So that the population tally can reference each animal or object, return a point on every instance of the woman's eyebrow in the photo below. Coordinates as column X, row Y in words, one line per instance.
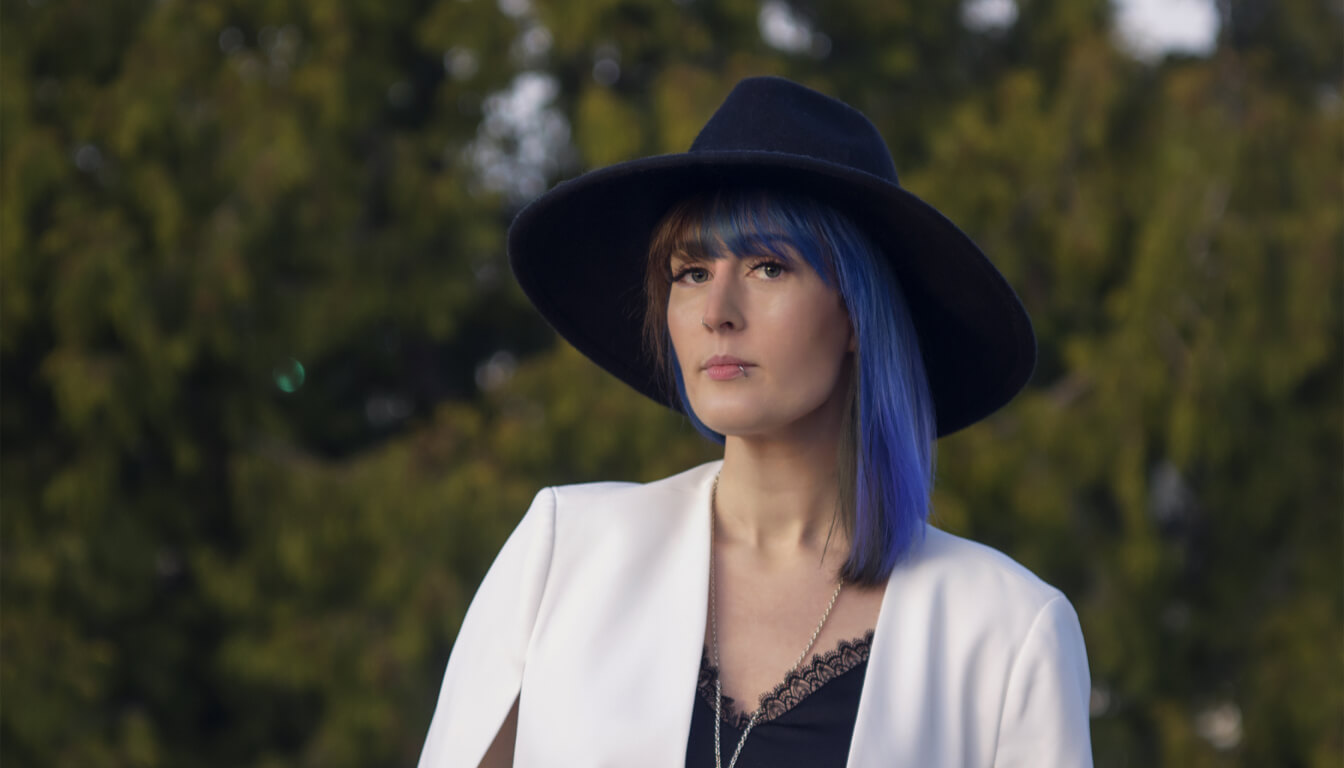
column 683, row 257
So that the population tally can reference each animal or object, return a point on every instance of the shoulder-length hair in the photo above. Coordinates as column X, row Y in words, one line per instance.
column 885, row 464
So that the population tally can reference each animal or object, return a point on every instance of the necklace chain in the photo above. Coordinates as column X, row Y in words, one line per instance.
column 714, row 633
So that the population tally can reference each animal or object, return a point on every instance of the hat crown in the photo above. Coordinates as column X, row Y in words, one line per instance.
column 771, row 114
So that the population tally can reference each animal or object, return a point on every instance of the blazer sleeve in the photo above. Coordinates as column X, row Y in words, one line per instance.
column 1045, row 709
column 485, row 668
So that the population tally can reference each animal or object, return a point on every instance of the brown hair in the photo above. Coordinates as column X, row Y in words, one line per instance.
column 677, row 232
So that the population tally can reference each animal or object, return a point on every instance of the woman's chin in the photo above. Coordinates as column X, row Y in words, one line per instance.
column 756, row 416
column 740, row 422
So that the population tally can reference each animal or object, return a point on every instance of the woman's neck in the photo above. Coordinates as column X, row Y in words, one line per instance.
column 779, row 498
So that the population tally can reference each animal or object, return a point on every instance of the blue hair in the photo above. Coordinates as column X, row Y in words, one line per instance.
column 887, row 458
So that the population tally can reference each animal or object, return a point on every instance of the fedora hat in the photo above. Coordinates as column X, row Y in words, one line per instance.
column 580, row 250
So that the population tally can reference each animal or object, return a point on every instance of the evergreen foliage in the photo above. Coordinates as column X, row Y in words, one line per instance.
column 272, row 403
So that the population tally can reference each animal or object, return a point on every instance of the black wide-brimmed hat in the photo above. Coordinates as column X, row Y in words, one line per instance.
column 579, row 251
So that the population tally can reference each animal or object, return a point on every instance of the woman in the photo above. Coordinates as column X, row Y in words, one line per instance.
column 788, row 605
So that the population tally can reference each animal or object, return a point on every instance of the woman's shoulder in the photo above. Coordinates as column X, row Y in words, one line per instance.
column 617, row 494
column 976, row 576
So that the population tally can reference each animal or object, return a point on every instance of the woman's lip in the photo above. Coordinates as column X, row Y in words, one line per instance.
column 725, row 372
column 725, row 360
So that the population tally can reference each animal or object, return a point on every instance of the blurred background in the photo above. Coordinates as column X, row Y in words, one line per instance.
column 271, row 401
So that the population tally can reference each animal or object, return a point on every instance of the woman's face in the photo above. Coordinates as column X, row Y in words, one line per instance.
column 789, row 330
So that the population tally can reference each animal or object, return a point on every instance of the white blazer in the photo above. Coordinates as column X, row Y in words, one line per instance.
column 593, row 615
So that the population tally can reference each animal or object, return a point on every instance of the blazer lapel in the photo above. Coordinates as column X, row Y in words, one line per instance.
column 611, row 673
column 874, row 732
column 676, row 617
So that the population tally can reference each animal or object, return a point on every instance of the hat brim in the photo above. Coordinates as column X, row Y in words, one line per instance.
column 580, row 250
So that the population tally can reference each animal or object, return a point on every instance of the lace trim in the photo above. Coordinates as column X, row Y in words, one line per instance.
column 797, row 685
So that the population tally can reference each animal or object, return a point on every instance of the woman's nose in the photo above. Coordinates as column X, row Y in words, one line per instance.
column 723, row 310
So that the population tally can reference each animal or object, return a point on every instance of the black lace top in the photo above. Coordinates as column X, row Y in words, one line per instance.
column 808, row 719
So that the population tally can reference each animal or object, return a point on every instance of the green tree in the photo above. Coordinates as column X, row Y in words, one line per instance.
column 271, row 402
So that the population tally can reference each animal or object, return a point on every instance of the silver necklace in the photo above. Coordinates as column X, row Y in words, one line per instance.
column 714, row 633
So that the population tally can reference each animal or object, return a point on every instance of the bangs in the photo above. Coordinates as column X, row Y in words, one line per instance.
column 742, row 224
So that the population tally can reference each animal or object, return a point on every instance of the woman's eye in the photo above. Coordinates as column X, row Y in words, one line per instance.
column 771, row 269
column 697, row 275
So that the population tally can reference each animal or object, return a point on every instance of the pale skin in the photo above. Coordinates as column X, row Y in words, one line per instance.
column 774, row 569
